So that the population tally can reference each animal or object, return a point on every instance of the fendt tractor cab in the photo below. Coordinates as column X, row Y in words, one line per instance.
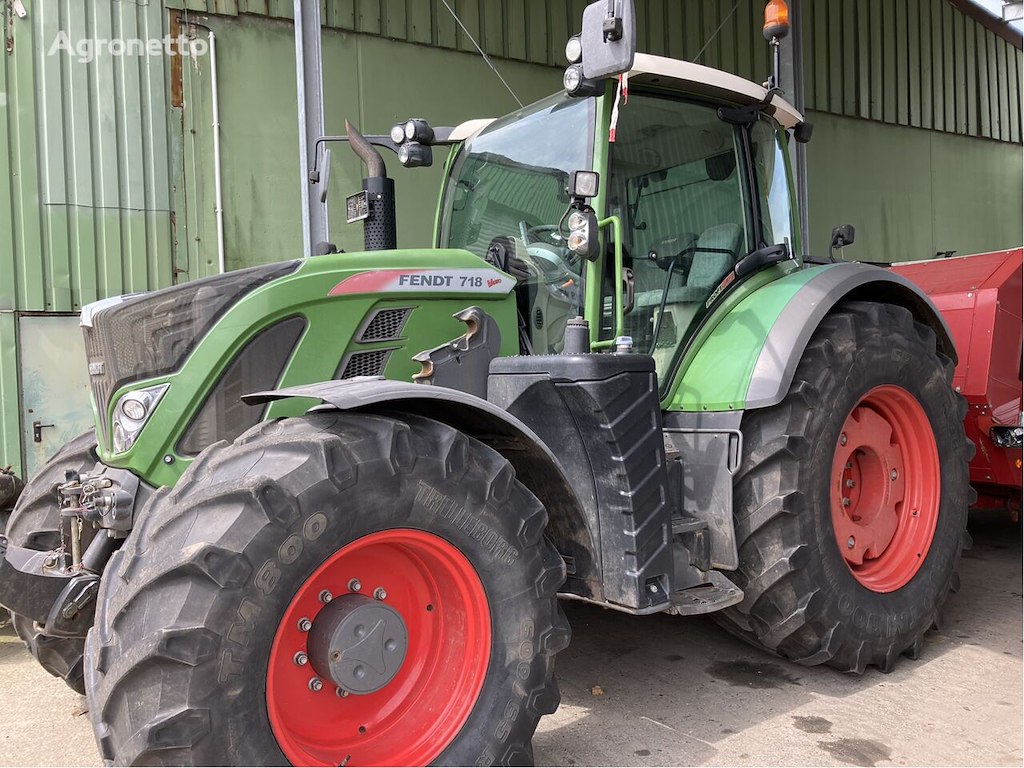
column 329, row 504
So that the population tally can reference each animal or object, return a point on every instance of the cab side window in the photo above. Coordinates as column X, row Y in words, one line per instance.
column 771, row 163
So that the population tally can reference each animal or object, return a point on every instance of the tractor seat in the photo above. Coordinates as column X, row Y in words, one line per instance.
column 707, row 269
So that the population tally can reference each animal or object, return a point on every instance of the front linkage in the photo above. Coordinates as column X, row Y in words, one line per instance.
column 57, row 588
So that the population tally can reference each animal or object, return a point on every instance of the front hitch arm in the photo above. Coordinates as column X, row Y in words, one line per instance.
column 37, row 585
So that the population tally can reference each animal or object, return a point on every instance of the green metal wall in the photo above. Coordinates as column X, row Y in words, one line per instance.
column 920, row 63
column 111, row 185
column 911, row 192
column 84, row 146
column 373, row 82
column 903, row 187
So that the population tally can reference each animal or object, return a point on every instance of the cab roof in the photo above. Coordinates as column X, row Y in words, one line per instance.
column 687, row 77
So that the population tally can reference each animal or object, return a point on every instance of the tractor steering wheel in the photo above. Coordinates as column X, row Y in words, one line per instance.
column 549, row 234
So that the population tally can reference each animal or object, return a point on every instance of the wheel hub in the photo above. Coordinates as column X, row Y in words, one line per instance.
column 388, row 672
column 885, row 488
column 359, row 643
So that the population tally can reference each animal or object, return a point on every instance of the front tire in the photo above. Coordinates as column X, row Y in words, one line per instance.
column 215, row 622
column 851, row 500
column 35, row 523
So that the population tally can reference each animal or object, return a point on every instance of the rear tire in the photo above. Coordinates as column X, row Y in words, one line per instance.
column 35, row 524
column 192, row 657
column 874, row 372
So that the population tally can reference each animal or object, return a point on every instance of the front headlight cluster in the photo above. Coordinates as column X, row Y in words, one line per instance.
column 583, row 238
column 131, row 414
column 413, row 138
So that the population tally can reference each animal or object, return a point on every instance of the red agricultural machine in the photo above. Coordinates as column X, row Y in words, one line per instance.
column 980, row 297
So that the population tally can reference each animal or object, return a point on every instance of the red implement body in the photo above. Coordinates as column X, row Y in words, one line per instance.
column 981, row 298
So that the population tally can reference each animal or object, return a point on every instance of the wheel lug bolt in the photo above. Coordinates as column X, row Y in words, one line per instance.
column 842, row 439
column 315, row 684
column 305, row 624
column 846, row 502
column 354, row 585
column 380, row 594
column 342, row 693
column 850, row 542
column 851, row 484
column 301, row 659
column 894, row 474
column 326, row 596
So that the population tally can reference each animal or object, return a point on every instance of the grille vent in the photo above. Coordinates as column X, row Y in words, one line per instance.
column 384, row 325
column 538, row 318
column 363, row 364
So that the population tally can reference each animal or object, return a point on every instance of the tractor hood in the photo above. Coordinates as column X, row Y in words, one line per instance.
column 168, row 368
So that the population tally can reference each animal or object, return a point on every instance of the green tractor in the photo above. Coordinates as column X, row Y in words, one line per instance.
column 330, row 505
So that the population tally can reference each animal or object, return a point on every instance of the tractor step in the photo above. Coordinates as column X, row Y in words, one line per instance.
column 683, row 524
column 706, row 598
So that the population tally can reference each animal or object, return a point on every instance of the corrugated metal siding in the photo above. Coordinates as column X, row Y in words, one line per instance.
column 85, row 149
column 918, row 63
column 535, row 31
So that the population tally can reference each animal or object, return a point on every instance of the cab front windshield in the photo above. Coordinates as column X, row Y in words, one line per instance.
column 508, row 188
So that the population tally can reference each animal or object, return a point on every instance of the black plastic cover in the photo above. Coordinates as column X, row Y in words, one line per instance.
column 600, row 415
column 259, row 365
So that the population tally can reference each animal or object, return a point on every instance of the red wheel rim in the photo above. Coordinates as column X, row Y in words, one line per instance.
column 885, row 487
column 409, row 721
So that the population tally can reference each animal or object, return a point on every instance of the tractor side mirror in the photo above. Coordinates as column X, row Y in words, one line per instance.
column 324, row 181
column 802, row 132
column 608, row 39
column 841, row 236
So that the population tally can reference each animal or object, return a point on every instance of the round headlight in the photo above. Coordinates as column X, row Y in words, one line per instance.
column 577, row 220
column 134, row 408
column 403, row 154
column 574, row 50
column 410, row 130
column 398, row 134
column 578, row 242
column 573, row 78
column 120, row 441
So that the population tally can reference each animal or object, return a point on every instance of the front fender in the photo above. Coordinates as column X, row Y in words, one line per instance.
column 750, row 358
column 535, row 465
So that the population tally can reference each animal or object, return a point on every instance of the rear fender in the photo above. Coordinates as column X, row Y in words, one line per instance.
column 760, row 343
column 535, row 465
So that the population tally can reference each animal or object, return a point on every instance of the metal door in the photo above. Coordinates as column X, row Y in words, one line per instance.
column 54, row 384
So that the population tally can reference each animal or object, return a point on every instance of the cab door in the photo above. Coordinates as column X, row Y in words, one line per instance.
column 695, row 195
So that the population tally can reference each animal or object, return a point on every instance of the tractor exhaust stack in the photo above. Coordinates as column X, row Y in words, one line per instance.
column 380, row 225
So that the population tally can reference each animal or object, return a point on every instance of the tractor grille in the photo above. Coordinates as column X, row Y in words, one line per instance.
column 363, row 364
column 101, row 377
column 384, row 325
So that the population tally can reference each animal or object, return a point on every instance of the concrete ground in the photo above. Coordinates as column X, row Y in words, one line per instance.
column 668, row 691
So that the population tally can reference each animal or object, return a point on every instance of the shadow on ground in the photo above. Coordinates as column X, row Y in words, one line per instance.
column 664, row 690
